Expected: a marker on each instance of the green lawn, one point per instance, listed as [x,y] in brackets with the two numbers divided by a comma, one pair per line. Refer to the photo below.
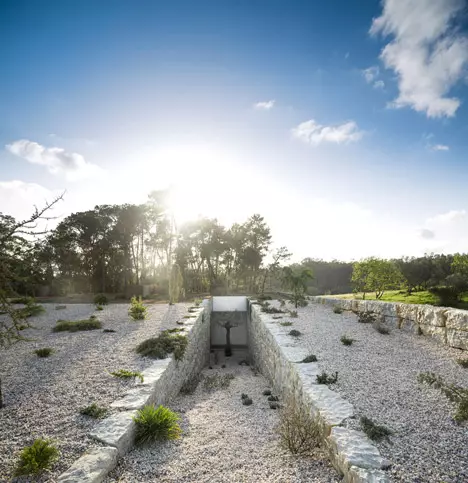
[401,296]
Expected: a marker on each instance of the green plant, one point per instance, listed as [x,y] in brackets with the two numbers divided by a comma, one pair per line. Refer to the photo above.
[108,330]
[273,398]
[217,381]
[274,405]
[296,281]
[324,378]
[293,314]
[276,317]
[295,333]
[180,322]
[286,324]
[271,310]
[267,392]
[137,310]
[100,299]
[366,317]
[30,309]
[99,307]
[374,431]
[345,340]
[337,310]
[94,411]
[197,302]
[463,362]
[125,374]
[37,457]
[311,358]
[23,300]
[244,396]
[299,431]
[282,303]
[166,343]
[381,329]
[176,283]
[78,325]
[156,424]
[44,352]
[247,401]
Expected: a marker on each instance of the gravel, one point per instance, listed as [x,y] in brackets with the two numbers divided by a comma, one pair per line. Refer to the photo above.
[378,375]
[43,396]
[223,441]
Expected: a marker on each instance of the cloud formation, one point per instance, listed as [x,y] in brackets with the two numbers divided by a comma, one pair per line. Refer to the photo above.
[440,147]
[426,234]
[313,133]
[371,75]
[427,52]
[450,216]
[265,105]
[58,161]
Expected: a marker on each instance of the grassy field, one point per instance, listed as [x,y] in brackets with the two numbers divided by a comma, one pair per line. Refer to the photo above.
[423,297]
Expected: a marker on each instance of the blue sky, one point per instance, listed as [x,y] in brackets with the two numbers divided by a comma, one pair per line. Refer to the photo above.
[346,126]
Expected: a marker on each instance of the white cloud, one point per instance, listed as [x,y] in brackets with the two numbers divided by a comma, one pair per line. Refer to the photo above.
[440,147]
[265,105]
[427,52]
[450,216]
[57,160]
[426,234]
[313,133]
[371,74]
[380,84]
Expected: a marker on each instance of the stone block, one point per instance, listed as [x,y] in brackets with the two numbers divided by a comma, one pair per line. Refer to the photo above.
[361,475]
[117,430]
[457,319]
[457,339]
[429,315]
[135,398]
[438,333]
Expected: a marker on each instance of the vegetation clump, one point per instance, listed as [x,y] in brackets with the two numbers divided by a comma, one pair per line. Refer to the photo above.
[109,330]
[100,299]
[99,308]
[325,378]
[273,398]
[286,324]
[267,392]
[366,317]
[337,310]
[30,309]
[125,374]
[381,329]
[166,343]
[299,431]
[36,458]
[77,325]
[247,401]
[94,411]
[217,381]
[137,310]
[293,314]
[295,333]
[310,358]
[463,361]
[374,431]
[296,281]
[156,424]
[345,340]
[271,310]
[44,352]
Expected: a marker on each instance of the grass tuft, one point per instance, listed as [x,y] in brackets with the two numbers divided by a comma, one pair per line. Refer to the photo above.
[337,310]
[44,352]
[156,424]
[293,314]
[325,378]
[295,333]
[166,343]
[345,340]
[381,329]
[94,411]
[286,324]
[463,362]
[77,325]
[36,458]
[375,432]
[310,358]
[125,374]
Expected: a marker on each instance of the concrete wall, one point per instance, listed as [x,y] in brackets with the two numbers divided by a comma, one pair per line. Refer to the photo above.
[277,355]
[445,325]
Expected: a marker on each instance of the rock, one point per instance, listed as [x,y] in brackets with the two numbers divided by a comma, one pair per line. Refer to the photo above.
[429,315]
[457,319]
[457,338]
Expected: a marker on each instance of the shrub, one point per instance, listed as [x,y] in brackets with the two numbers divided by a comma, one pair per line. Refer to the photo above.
[345,340]
[381,329]
[247,401]
[282,303]
[124,374]
[274,405]
[100,299]
[293,314]
[337,310]
[286,324]
[276,317]
[94,411]
[295,333]
[324,378]
[446,296]
[271,310]
[267,392]
[374,431]
[30,309]
[311,358]
[78,325]
[366,317]
[244,396]
[44,352]
[463,362]
[37,457]
[166,343]
[137,310]
[23,300]
[298,430]
[156,424]
[217,381]
[99,307]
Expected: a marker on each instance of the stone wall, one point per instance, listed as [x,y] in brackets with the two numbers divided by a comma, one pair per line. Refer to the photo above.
[447,326]
[162,381]
[278,357]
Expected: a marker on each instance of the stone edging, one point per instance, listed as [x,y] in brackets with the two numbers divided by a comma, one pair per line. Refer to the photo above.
[277,356]
[162,380]
[446,325]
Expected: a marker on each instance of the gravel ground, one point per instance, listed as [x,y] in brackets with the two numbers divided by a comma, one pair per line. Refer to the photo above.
[223,441]
[43,396]
[378,375]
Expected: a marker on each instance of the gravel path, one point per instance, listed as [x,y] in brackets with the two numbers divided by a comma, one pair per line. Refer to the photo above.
[378,375]
[43,396]
[223,441]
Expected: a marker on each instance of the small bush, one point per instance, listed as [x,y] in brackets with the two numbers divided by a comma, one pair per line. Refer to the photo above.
[137,310]
[298,430]
[94,411]
[23,300]
[311,358]
[271,310]
[156,424]
[109,330]
[286,324]
[166,343]
[463,362]
[366,317]
[100,299]
[217,381]
[60,307]
[78,325]
[374,431]
[44,352]
[274,405]
[36,458]
[337,310]
[325,378]
[282,303]
[345,340]
[293,314]
[277,317]
[247,401]
[273,398]
[267,392]
[295,333]
[124,374]
[31,309]
[99,307]
[381,329]
[244,396]
[446,296]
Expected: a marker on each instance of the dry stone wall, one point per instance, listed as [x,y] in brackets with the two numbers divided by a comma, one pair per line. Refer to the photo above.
[447,326]
[279,357]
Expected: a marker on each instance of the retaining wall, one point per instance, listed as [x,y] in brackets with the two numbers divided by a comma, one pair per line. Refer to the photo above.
[447,326]
[278,355]
[162,381]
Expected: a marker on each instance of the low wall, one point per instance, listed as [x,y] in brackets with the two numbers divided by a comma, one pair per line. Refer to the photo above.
[162,381]
[447,326]
[278,355]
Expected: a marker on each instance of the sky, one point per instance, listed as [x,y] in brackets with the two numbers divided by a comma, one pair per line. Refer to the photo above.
[345,124]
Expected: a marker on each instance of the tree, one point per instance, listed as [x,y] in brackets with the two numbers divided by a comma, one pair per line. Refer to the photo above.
[296,281]
[175,284]
[228,325]
[280,255]
[375,275]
